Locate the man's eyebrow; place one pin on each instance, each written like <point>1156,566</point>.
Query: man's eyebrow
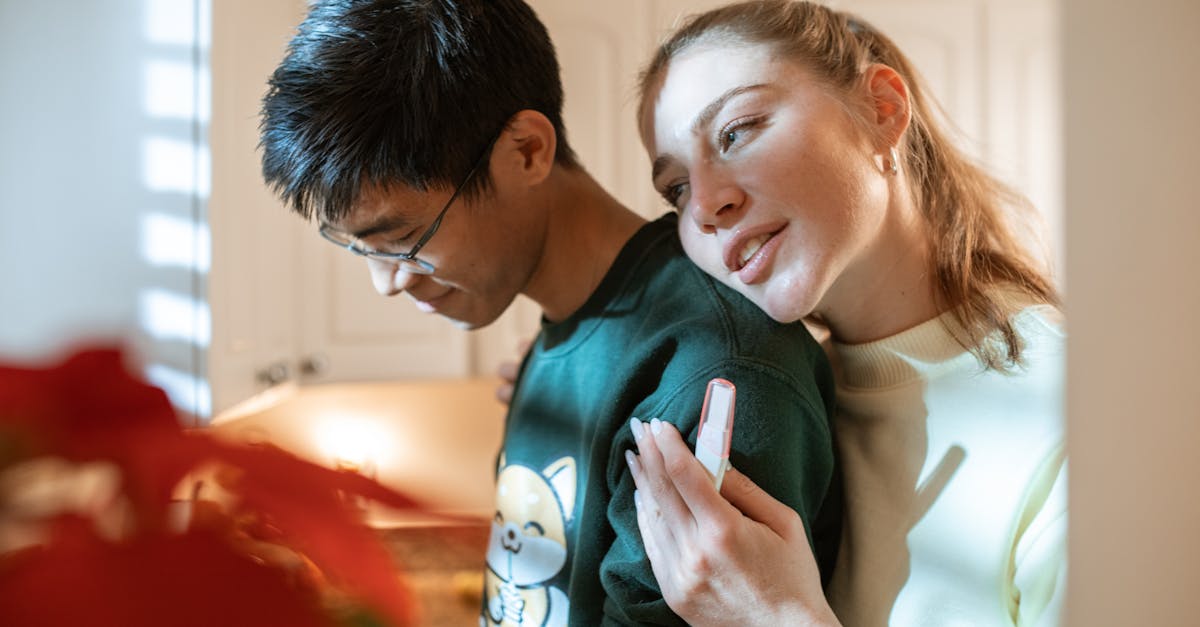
<point>382,225</point>
<point>704,118</point>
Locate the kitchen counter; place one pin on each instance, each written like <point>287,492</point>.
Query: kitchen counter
<point>435,441</point>
<point>443,567</point>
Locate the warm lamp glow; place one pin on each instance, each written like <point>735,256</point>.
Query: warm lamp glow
<point>357,443</point>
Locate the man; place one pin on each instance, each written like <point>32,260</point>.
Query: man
<point>427,137</point>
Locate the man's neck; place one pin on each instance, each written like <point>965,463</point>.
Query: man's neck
<point>586,229</point>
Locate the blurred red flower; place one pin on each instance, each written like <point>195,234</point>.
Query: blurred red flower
<point>284,548</point>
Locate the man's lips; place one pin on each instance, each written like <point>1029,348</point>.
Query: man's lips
<point>429,304</point>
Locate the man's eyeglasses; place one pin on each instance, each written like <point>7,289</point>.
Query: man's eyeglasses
<point>405,261</point>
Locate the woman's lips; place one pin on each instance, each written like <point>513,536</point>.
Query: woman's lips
<point>749,254</point>
<point>750,247</point>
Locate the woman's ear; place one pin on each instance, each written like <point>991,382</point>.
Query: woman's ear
<point>526,147</point>
<point>890,109</point>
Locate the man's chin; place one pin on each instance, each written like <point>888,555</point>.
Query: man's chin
<point>473,324</point>
<point>465,325</point>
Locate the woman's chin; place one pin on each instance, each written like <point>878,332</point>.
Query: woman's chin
<point>778,298</point>
<point>781,307</point>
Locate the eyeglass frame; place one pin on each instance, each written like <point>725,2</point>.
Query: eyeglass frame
<point>409,260</point>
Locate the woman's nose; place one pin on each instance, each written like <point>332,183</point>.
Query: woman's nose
<point>388,278</point>
<point>716,201</point>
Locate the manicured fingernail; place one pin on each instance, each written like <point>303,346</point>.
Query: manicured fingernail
<point>655,426</point>
<point>636,426</point>
<point>637,500</point>
<point>631,459</point>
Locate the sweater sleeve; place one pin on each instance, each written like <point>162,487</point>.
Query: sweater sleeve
<point>781,439</point>
<point>1040,566</point>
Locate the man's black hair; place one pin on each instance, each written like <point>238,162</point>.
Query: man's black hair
<point>408,92</point>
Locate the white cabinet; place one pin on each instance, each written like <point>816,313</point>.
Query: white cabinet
<point>252,283</point>
<point>600,47</point>
<point>281,296</point>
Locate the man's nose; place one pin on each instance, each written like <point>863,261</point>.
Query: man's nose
<point>388,277</point>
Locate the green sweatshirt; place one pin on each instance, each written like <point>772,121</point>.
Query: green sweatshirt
<point>565,545</point>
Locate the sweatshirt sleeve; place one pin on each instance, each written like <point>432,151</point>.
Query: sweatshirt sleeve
<point>781,439</point>
<point>1039,575</point>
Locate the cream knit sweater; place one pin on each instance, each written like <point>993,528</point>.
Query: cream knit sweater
<point>955,481</point>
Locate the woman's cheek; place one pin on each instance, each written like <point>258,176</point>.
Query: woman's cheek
<point>703,250</point>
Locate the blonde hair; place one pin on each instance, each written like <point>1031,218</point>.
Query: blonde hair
<point>982,273</point>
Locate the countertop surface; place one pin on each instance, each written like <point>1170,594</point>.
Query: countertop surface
<point>435,441</point>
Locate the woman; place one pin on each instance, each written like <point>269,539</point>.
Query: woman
<point>812,177</point>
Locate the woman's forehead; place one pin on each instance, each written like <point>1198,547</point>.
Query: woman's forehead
<point>697,79</point>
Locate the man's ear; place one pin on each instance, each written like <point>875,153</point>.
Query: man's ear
<point>526,147</point>
<point>890,109</point>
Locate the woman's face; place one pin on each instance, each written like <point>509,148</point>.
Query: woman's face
<point>780,193</point>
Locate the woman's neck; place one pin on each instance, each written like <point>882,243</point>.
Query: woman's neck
<point>891,288</point>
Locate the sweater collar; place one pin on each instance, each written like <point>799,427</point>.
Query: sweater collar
<point>899,358</point>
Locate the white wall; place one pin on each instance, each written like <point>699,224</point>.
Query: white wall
<point>1133,251</point>
<point>100,184</point>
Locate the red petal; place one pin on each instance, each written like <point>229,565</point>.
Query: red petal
<point>193,579</point>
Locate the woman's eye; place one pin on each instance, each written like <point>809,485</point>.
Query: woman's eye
<point>736,131</point>
<point>674,193</point>
<point>728,139</point>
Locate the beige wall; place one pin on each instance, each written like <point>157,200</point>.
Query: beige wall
<point>1132,95</point>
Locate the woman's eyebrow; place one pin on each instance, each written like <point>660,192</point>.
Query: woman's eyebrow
<point>660,164</point>
<point>704,118</point>
<point>706,115</point>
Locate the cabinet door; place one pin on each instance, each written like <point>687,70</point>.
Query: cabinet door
<point>252,293</point>
<point>1024,112</point>
<point>600,47</point>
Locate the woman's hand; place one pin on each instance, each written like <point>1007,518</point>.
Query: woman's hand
<point>745,561</point>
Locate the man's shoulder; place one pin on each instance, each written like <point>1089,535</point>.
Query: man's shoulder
<point>670,276</point>
<point>709,315</point>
